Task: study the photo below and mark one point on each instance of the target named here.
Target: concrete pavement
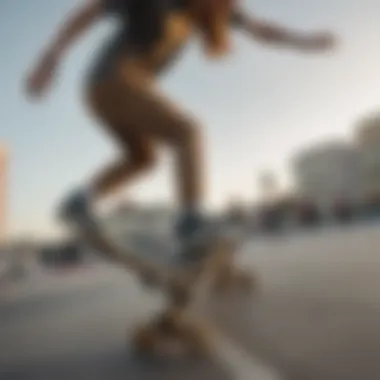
(316, 317)
(80, 328)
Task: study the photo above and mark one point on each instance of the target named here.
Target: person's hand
(319, 42)
(40, 79)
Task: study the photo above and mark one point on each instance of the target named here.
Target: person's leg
(156, 116)
(137, 157)
(134, 162)
(130, 106)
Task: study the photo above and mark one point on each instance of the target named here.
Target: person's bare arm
(76, 24)
(271, 33)
(80, 20)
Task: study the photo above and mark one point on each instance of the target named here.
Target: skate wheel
(146, 340)
(199, 339)
(234, 281)
(246, 281)
(173, 335)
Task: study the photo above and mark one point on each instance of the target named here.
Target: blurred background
(335, 183)
(293, 157)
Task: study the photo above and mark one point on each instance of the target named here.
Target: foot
(76, 210)
(193, 232)
(148, 280)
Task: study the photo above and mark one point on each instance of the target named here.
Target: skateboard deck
(183, 286)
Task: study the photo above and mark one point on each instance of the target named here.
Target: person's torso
(141, 42)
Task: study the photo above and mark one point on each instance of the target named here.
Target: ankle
(87, 192)
(191, 211)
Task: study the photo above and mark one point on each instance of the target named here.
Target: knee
(187, 133)
(143, 158)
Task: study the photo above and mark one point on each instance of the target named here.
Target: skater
(123, 95)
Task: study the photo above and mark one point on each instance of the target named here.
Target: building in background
(367, 141)
(328, 173)
(269, 187)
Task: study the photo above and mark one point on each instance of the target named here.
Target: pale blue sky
(257, 107)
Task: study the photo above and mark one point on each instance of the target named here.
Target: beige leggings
(139, 117)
